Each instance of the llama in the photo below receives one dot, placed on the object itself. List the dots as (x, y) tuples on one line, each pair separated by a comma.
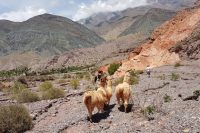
[(123, 91), (109, 89), (96, 98)]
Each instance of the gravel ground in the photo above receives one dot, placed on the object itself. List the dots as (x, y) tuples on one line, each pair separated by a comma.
[(69, 115)]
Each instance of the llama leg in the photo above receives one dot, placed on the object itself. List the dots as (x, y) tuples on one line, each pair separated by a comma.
[(90, 113), (118, 99), (126, 105)]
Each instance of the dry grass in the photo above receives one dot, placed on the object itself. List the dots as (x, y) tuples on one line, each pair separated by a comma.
[(14, 119)]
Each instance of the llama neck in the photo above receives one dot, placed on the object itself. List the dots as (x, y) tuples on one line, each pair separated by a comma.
[(109, 83)]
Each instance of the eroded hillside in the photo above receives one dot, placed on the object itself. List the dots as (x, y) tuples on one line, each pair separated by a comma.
[(156, 51)]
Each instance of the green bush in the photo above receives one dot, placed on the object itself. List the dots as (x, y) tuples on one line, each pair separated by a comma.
[(175, 77), (26, 96), (113, 68), (45, 86), (74, 83), (14, 119), (196, 93), (167, 98), (53, 93), (149, 110)]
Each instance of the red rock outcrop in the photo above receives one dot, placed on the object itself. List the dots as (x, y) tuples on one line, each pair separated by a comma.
[(155, 52)]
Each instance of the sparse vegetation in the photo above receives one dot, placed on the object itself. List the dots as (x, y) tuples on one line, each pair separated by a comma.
[(17, 88), (49, 92), (53, 93), (14, 119), (167, 98), (175, 77), (26, 96), (45, 86), (134, 77), (14, 72), (74, 83), (162, 77), (23, 94), (178, 64), (113, 68), (148, 112), (196, 93)]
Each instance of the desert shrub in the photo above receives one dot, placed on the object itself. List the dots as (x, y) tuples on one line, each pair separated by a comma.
[(134, 77), (177, 64), (62, 81), (49, 92), (196, 93), (23, 94), (162, 77), (118, 81), (26, 96), (74, 83), (167, 98), (175, 77), (53, 93), (14, 119), (45, 86), (148, 112), (113, 68), (17, 88)]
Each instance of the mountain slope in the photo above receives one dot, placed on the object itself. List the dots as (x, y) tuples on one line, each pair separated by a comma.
[(110, 25), (172, 4), (46, 35), (156, 51), (147, 23), (189, 48)]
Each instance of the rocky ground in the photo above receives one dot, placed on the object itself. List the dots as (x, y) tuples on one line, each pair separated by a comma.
[(69, 115)]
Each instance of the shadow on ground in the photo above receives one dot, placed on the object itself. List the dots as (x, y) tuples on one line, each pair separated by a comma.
[(99, 116), (129, 109)]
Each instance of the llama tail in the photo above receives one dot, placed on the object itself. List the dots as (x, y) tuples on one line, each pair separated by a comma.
[(87, 99)]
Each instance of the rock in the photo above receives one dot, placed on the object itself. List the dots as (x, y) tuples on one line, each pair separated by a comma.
[(186, 130)]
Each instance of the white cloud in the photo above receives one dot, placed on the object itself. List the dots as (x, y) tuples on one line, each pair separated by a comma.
[(97, 6), (21, 15)]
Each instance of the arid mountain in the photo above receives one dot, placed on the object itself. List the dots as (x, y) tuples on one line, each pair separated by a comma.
[(172, 4), (26, 43), (45, 35), (145, 25), (156, 51), (189, 48), (115, 50), (110, 25)]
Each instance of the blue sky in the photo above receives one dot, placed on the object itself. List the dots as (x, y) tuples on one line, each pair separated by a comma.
[(21, 10)]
